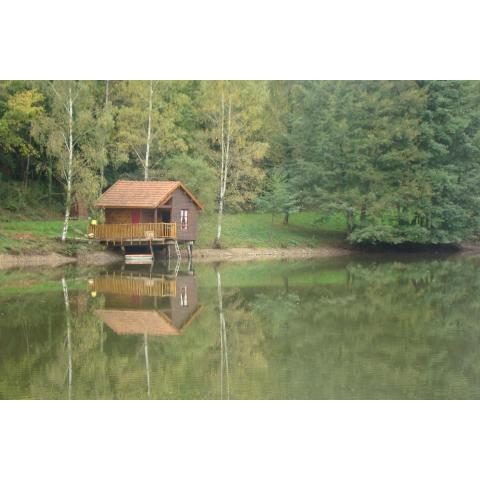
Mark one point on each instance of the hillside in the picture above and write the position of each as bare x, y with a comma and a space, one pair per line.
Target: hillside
239, 230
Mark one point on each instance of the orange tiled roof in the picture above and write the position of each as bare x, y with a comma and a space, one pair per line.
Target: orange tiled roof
136, 322
139, 194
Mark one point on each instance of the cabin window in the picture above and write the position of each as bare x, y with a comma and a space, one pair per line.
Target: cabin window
183, 297
184, 219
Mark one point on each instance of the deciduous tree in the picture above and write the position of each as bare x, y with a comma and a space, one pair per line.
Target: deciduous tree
233, 112
67, 132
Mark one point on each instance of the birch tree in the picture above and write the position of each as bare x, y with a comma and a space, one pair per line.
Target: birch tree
225, 160
149, 131
67, 132
102, 146
68, 171
233, 111
147, 123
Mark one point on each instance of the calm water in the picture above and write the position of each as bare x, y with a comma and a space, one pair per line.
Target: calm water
357, 327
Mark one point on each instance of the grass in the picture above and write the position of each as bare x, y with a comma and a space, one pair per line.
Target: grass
238, 230
39, 236
256, 230
31, 222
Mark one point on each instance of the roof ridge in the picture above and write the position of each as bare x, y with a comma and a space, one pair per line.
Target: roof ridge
141, 194
147, 181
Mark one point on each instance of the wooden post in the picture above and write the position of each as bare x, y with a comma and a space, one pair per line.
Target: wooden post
155, 216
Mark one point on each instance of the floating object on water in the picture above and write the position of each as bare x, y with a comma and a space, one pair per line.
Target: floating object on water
139, 258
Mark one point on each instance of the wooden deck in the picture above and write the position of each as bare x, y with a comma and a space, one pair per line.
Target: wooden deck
130, 285
130, 233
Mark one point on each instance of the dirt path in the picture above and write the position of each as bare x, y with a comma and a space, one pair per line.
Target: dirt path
199, 255
240, 254
55, 260
50, 260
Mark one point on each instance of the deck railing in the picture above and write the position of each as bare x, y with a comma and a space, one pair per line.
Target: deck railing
126, 285
119, 232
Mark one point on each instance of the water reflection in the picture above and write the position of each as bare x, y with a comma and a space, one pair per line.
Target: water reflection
136, 304
69, 336
139, 301
223, 338
352, 328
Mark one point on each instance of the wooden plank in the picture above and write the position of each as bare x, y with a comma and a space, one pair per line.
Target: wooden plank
134, 232
151, 287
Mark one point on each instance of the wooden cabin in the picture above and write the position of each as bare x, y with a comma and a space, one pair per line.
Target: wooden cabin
139, 212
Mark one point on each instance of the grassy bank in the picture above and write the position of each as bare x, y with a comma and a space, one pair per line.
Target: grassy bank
257, 230
239, 230
41, 236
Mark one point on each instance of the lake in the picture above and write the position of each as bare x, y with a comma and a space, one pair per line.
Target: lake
357, 327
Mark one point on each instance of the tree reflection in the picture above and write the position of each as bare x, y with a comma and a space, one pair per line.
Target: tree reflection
68, 336
223, 337
395, 329
147, 364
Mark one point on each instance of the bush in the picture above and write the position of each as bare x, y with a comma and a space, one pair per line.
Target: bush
32, 202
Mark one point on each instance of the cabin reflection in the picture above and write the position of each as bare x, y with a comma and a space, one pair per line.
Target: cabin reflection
139, 302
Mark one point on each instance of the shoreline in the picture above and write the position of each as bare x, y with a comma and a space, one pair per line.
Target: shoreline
204, 255
200, 255
252, 253
56, 260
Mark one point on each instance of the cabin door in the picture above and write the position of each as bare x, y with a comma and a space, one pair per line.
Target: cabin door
165, 215
136, 216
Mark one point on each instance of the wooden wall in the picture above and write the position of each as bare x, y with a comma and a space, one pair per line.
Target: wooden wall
180, 200
147, 216
118, 215
124, 215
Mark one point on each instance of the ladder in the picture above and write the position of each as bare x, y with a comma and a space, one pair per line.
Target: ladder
177, 250
177, 267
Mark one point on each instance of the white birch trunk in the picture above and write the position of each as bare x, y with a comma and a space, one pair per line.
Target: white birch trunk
216, 242
149, 131
102, 167
69, 166
224, 166
219, 221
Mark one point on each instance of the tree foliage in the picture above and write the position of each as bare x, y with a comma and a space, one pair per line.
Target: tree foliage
278, 197
400, 160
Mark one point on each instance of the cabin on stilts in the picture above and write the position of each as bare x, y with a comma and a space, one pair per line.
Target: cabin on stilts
147, 213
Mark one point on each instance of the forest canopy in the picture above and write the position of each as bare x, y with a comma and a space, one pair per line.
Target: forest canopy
399, 160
